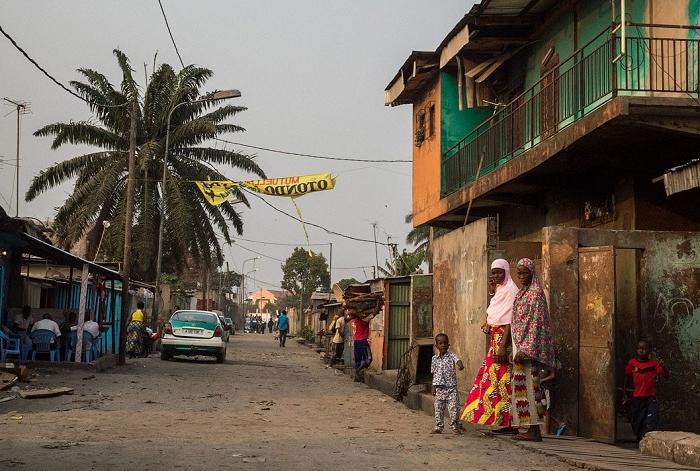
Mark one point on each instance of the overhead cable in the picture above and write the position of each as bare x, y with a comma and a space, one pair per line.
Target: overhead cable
312, 156
167, 25
51, 77
328, 231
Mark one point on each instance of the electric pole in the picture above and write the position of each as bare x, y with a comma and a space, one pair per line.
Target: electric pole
376, 254
126, 267
21, 108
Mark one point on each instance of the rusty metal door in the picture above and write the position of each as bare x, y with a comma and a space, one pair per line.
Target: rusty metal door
597, 343
399, 321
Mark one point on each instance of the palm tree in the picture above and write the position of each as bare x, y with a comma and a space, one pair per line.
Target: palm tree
404, 264
192, 226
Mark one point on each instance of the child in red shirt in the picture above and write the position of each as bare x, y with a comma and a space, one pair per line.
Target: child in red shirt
643, 369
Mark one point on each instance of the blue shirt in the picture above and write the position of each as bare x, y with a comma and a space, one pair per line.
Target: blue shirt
283, 322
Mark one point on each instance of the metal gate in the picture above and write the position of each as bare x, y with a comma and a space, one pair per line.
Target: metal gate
399, 321
597, 343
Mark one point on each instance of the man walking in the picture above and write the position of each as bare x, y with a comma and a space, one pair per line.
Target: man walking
283, 326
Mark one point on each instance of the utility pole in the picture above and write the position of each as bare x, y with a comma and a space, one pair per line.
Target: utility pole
330, 268
126, 269
376, 254
21, 107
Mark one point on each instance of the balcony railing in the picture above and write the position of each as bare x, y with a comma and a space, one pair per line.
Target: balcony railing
573, 89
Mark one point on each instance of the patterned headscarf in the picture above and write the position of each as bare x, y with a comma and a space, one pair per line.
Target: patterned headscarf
531, 327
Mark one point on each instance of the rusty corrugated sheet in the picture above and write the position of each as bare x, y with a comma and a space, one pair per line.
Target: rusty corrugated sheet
685, 177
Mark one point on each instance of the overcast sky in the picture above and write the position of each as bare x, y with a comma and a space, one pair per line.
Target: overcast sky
312, 74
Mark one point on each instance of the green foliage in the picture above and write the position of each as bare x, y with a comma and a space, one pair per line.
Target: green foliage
303, 273
192, 226
345, 282
307, 333
404, 264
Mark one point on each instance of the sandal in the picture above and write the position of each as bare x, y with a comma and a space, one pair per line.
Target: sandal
436, 431
521, 437
456, 431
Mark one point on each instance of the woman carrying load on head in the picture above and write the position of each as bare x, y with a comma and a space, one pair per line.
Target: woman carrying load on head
488, 402
533, 349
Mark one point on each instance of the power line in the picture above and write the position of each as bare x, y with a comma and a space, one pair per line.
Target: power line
51, 77
283, 261
328, 231
301, 244
167, 25
325, 157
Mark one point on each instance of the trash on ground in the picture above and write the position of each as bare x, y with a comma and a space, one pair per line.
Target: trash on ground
7, 380
39, 393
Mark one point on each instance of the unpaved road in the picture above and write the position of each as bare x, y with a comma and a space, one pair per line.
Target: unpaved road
265, 408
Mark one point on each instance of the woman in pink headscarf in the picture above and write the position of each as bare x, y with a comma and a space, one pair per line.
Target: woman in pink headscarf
489, 401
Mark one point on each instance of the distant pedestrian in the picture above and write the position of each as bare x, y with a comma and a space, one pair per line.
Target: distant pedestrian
283, 326
643, 369
337, 328
135, 332
270, 324
360, 340
444, 368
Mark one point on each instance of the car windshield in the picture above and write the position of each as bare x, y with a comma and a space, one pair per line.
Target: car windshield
194, 316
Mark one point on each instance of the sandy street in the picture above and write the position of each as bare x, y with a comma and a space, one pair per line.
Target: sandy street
265, 408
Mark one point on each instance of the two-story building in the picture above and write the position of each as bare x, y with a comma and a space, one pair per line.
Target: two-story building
547, 129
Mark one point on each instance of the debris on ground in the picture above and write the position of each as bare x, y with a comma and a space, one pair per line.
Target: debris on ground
7, 380
60, 445
40, 393
21, 371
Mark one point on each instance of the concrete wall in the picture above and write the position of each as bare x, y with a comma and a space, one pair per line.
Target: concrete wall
426, 158
460, 293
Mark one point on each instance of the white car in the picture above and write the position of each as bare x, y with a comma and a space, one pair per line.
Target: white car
193, 333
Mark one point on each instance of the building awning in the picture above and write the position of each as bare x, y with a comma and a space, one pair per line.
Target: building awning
21, 241
420, 67
682, 178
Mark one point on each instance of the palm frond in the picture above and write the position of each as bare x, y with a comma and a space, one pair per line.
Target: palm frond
83, 133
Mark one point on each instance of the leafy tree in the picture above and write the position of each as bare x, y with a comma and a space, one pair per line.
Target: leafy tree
191, 224
345, 282
303, 273
404, 264
419, 237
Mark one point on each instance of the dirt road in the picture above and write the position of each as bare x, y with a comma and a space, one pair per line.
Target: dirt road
265, 408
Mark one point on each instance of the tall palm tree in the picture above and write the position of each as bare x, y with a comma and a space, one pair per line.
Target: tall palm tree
192, 226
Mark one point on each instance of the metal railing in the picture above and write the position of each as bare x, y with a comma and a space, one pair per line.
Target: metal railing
571, 90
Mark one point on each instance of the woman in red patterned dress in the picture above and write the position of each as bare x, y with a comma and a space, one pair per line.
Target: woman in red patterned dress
488, 402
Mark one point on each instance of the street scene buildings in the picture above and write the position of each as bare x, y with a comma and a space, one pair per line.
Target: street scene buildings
553, 152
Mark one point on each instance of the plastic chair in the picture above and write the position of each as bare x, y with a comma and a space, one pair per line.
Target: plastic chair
89, 354
9, 346
42, 341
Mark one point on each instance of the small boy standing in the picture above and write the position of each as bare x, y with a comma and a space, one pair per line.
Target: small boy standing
643, 369
443, 367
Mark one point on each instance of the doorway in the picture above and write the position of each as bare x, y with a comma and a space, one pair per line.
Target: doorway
608, 328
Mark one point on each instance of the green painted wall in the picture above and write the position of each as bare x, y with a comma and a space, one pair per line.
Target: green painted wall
455, 124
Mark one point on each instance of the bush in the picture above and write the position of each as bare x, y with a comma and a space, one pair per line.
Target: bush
307, 333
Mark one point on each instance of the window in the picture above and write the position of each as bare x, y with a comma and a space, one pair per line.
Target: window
420, 128
431, 121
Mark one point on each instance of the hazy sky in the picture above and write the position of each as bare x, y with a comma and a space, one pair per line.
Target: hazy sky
312, 74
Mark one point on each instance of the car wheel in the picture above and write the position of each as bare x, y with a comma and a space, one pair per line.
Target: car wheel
164, 355
220, 357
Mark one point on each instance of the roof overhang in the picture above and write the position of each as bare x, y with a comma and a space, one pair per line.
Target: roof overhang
408, 82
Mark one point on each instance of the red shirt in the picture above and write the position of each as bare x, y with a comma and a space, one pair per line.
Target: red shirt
361, 331
643, 374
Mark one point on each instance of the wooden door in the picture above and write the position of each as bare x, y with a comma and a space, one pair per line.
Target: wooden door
596, 401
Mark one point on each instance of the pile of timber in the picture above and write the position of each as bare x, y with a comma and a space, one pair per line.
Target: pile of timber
363, 302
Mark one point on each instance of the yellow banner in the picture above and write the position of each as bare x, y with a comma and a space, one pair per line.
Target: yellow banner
292, 186
218, 192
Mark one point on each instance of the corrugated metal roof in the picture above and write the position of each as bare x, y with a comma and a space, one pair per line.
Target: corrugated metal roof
682, 178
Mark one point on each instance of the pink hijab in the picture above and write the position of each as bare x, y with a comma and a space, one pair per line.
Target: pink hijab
500, 310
